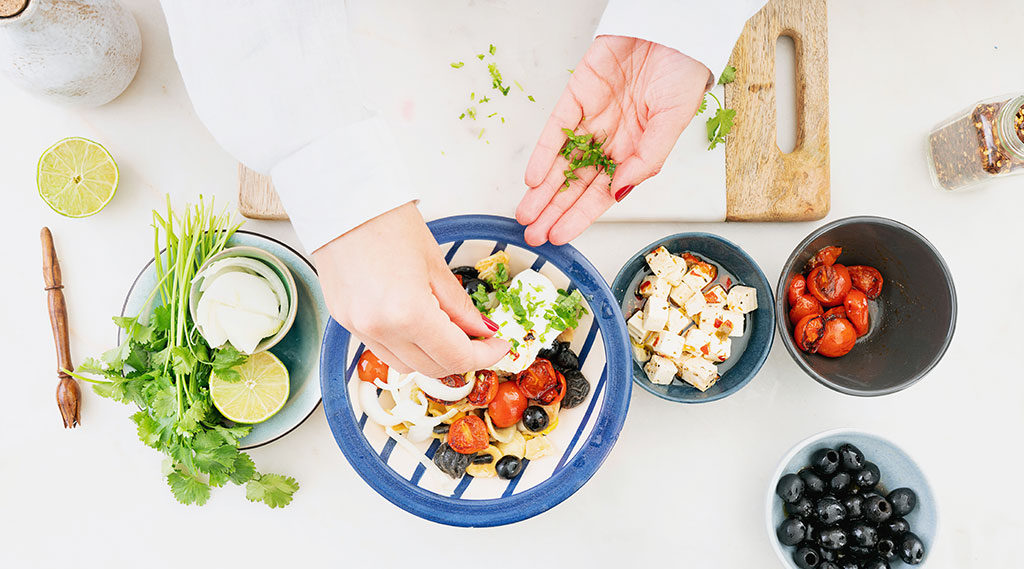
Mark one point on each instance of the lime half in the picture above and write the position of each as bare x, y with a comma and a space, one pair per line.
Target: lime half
76, 177
260, 393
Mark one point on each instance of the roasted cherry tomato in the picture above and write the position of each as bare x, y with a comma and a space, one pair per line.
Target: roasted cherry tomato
540, 381
454, 380
867, 280
803, 306
838, 339
808, 333
485, 388
508, 405
833, 313
468, 435
370, 368
856, 305
829, 284
824, 257
797, 288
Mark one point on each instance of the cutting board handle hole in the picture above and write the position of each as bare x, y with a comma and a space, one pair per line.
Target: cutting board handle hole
785, 94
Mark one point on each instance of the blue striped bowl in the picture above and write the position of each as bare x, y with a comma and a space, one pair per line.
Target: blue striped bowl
585, 434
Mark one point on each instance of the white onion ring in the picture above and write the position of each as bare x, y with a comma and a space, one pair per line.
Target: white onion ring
371, 406
437, 390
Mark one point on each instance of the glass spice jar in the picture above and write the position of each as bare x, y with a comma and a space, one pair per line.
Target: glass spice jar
979, 144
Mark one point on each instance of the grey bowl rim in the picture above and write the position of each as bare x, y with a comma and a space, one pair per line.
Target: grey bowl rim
782, 315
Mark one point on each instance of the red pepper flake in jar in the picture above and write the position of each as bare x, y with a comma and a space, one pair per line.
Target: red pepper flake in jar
979, 144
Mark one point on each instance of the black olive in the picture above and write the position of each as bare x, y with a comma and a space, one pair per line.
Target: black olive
860, 551
812, 530
903, 501
875, 563
911, 549
829, 510
877, 509
825, 461
832, 538
853, 505
807, 558
566, 360
471, 285
864, 535
848, 563
551, 352
790, 488
850, 458
451, 462
840, 483
827, 564
886, 548
814, 486
791, 531
895, 526
441, 429
802, 507
483, 458
466, 272
535, 418
508, 467
828, 555
867, 477
576, 389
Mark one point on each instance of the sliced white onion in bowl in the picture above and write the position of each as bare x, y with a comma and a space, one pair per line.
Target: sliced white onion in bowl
436, 389
247, 265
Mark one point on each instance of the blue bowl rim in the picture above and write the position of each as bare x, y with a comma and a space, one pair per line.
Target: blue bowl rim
782, 322
530, 502
796, 448
644, 382
124, 306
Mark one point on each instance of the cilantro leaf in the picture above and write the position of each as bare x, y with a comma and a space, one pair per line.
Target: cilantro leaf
492, 49
703, 106
243, 469
719, 126
480, 298
187, 488
583, 151
273, 490
457, 64
727, 76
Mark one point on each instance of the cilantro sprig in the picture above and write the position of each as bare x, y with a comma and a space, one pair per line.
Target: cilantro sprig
584, 151
720, 125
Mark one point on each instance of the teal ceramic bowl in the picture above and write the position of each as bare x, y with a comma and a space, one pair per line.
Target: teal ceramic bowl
897, 468
299, 348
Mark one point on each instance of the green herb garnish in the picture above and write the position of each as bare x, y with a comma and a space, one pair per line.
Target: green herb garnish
480, 298
457, 64
492, 49
582, 151
567, 311
720, 125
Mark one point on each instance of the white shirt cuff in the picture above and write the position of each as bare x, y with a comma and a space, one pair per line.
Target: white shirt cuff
340, 180
705, 31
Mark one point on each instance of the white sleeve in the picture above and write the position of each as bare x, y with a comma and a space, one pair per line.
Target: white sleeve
273, 82
702, 29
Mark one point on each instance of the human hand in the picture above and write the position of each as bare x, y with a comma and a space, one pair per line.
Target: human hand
637, 96
387, 283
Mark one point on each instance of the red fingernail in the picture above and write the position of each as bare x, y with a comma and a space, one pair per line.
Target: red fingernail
623, 192
489, 323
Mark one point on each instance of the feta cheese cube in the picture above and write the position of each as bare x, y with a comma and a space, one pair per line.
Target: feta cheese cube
640, 353
715, 296
667, 344
699, 373
649, 340
677, 321
635, 327
676, 276
655, 314
653, 285
700, 275
719, 349
697, 342
660, 370
742, 299
711, 319
694, 306
733, 323
680, 361
680, 294
660, 261
721, 323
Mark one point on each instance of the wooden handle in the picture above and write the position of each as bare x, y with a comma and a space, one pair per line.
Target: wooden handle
55, 299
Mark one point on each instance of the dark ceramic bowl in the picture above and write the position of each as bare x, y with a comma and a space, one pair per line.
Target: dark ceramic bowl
745, 362
912, 321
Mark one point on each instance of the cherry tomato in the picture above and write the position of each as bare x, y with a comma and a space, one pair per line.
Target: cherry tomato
468, 435
824, 257
485, 388
856, 305
797, 288
808, 333
540, 381
803, 306
508, 405
833, 313
454, 380
838, 339
371, 368
829, 284
867, 280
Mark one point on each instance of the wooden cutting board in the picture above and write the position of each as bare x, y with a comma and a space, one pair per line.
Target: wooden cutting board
762, 182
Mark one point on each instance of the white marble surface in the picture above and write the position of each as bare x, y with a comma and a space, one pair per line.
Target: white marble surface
684, 485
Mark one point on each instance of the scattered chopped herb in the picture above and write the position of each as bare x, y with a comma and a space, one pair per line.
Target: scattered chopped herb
471, 113
462, 116
472, 96
481, 135
566, 311
571, 70
480, 56
457, 64
502, 120
484, 100
501, 275
492, 49
480, 298
530, 97
582, 151
518, 85
496, 79
511, 300
492, 114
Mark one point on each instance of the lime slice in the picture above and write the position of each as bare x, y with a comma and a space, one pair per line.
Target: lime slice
261, 391
76, 177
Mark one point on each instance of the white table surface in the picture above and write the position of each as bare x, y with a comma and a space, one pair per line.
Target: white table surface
684, 485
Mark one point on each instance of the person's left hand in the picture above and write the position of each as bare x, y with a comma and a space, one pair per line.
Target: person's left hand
635, 95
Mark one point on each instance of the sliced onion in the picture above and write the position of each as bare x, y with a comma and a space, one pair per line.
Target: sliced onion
437, 390
371, 406
501, 435
250, 266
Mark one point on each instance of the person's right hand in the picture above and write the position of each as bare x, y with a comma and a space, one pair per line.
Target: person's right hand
387, 283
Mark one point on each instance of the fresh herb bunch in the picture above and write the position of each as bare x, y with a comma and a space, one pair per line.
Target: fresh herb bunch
720, 125
583, 151
163, 366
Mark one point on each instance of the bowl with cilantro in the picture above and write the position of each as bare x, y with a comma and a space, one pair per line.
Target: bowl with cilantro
494, 446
